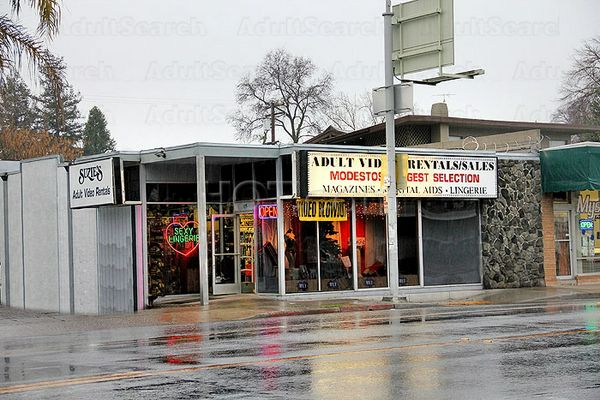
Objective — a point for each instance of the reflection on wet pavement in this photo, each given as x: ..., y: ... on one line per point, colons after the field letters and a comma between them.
x: 548, y: 351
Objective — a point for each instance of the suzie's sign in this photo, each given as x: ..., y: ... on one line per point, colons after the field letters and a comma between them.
x: 92, y: 184
x: 361, y: 175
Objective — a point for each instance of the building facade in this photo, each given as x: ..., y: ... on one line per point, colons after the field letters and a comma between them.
x: 114, y: 232
x: 571, y: 205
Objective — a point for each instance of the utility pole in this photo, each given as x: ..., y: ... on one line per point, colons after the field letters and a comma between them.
x: 390, y: 139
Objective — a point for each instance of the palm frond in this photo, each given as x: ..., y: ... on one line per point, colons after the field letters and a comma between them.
x: 49, y: 13
x: 16, y: 42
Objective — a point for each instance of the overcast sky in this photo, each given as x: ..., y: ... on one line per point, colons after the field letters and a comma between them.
x: 164, y: 72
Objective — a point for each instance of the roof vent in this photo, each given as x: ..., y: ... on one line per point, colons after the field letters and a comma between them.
x: 439, y: 110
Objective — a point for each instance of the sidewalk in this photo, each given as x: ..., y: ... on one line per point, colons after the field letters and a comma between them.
x: 244, y: 306
x: 249, y: 306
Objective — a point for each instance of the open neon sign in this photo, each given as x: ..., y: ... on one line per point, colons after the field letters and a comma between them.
x: 267, y: 211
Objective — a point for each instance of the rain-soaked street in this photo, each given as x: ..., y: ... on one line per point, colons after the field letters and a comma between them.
x: 547, y: 351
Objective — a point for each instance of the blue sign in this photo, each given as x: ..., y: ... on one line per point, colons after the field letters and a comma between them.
x: 332, y: 284
x: 303, y: 285
x: 369, y: 282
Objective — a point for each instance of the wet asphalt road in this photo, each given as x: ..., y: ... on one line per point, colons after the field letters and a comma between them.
x: 549, y: 351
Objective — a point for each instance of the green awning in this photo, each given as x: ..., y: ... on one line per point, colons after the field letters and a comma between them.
x: 571, y: 168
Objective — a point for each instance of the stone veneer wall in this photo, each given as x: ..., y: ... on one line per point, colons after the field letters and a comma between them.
x: 512, y: 238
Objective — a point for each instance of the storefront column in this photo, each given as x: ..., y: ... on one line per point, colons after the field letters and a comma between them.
x: 354, y: 248
x: 202, y: 229
x: 280, y: 227
x: 144, y: 217
x: 6, y: 281
x: 420, y: 242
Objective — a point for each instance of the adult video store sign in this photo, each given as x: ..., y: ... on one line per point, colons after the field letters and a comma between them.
x: 344, y: 175
x: 361, y: 175
x: 92, y: 184
x: 439, y: 176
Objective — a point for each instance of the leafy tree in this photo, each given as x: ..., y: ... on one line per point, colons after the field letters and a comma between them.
x: 16, y: 104
x: 580, y: 89
x: 16, y: 41
x: 18, y: 144
x: 96, y: 136
x: 294, y: 85
x: 59, y: 115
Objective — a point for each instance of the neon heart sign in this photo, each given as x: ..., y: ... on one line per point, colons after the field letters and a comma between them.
x: 182, y: 237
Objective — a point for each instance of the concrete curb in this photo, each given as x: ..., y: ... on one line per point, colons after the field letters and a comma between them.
x: 327, y: 310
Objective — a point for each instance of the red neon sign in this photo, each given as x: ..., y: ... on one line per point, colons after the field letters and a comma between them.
x: 267, y: 211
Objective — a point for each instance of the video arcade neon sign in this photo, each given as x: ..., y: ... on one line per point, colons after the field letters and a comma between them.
x: 182, y: 235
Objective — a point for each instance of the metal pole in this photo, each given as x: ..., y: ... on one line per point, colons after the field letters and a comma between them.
x: 390, y: 139
x: 272, y: 122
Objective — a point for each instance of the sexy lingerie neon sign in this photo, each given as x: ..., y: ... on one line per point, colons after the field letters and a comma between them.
x: 182, y: 235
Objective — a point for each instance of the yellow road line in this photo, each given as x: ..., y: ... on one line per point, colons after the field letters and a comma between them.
x: 146, y: 374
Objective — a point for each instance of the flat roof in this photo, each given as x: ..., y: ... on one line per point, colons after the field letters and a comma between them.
x: 249, y: 151
x: 545, y: 127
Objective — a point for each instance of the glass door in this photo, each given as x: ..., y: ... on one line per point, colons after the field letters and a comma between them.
x: 225, y: 255
x: 562, y: 244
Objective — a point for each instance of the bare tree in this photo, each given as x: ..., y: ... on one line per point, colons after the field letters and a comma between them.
x: 347, y: 113
x: 580, y: 89
x: 296, y: 88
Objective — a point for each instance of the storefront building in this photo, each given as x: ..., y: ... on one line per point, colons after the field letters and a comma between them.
x: 116, y: 232
x: 571, y: 184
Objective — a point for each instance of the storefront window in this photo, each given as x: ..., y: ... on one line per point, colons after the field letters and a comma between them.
x: 265, y: 219
x: 408, y: 245
x: 318, y: 248
x: 562, y: 243
x: 451, y: 242
x: 371, y: 244
x: 301, y: 252
x: 588, y: 232
x: 335, y: 243
x: 171, y: 192
x: 173, y: 250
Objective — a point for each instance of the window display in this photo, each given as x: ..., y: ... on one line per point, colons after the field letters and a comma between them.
x: 335, y: 244
x: 588, y: 220
x: 371, y: 244
x: 265, y: 219
x: 173, y: 242
x: 408, y: 245
x: 442, y: 247
x: 318, y: 245
x: 247, y: 252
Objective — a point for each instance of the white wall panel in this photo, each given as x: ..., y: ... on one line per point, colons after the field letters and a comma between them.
x: 40, y: 233
x: 15, y: 241
x: 63, y: 240
x: 85, y: 261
